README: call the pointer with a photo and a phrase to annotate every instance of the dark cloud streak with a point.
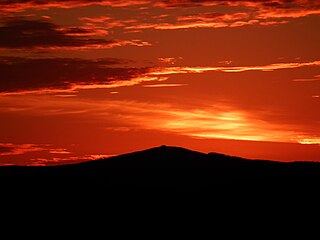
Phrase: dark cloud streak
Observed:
(23, 33)
(5, 149)
(20, 74)
(23, 4)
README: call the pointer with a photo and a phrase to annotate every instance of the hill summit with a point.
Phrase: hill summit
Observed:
(164, 167)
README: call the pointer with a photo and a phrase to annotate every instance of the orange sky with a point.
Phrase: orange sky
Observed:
(87, 79)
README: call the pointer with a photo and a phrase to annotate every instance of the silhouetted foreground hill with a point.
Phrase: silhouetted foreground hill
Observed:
(164, 168)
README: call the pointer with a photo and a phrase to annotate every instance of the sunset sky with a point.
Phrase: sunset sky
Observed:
(80, 80)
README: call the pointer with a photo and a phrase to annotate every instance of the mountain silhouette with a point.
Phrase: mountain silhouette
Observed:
(170, 168)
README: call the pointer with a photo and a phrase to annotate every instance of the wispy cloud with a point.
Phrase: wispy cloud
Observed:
(287, 13)
(168, 60)
(52, 155)
(231, 69)
(23, 33)
(52, 75)
(22, 5)
(265, 13)
(313, 79)
(59, 151)
(309, 141)
(206, 20)
(67, 75)
(165, 85)
(283, 6)
(8, 149)
(43, 35)
(105, 22)
(214, 121)
(42, 161)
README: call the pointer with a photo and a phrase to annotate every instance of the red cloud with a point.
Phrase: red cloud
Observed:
(212, 121)
(287, 13)
(66, 160)
(54, 75)
(20, 5)
(263, 12)
(7, 149)
(40, 34)
(64, 74)
(54, 157)
(230, 69)
(203, 20)
(106, 22)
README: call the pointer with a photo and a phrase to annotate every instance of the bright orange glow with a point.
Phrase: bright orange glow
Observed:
(271, 67)
(217, 121)
(309, 141)
(164, 85)
(282, 13)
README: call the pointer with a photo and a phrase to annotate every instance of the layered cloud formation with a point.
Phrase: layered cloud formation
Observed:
(45, 75)
(266, 12)
(194, 69)
(42, 35)
(162, 3)
(210, 121)
(61, 74)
